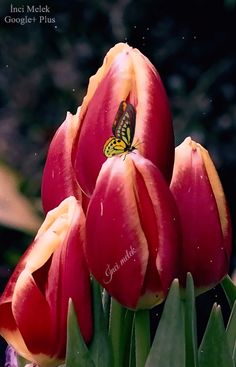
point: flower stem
(142, 336)
(116, 325)
(106, 302)
(128, 338)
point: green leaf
(77, 353)
(22, 361)
(231, 333)
(100, 347)
(214, 349)
(190, 324)
(229, 289)
(168, 348)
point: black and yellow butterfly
(123, 131)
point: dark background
(44, 71)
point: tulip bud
(205, 221)
(59, 180)
(33, 307)
(128, 75)
(132, 232)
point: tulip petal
(154, 128)
(28, 301)
(36, 298)
(125, 75)
(116, 248)
(160, 222)
(204, 215)
(10, 332)
(59, 180)
(124, 232)
(68, 263)
(218, 192)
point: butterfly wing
(119, 114)
(114, 146)
(124, 124)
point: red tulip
(33, 307)
(59, 180)
(204, 215)
(132, 232)
(127, 75)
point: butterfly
(123, 131)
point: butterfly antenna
(125, 155)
